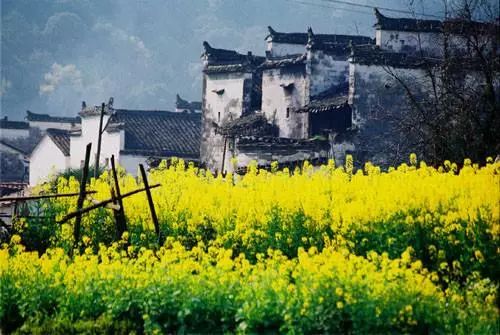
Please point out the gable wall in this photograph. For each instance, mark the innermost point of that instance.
(218, 109)
(276, 99)
(46, 160)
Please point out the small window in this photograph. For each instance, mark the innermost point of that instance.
(402, 42)
(218, 116)
(287, 112)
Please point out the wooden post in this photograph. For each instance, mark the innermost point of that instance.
(121, 224)
(81, 196)
(99, 138)
(223, 156)
(150, 201)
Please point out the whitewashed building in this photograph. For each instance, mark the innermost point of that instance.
(132, 136)
(50, 156)
(285, 107)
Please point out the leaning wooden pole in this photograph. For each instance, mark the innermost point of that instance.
(223, 156)
(99, 139)
(81, 196)
(150, 202)
(121, 224)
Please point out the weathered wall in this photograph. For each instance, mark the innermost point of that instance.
(10, 134)
(45, 160)
(276, 98)
(325, 71)
(404, 41)
(283, 49)
(264, 156)
(378, 102)
(220, 108)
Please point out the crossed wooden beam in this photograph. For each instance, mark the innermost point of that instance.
(115, 203)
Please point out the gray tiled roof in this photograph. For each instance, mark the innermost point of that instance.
(248, 125)
(8, 124)
(335, 98)
(159, 133)
(30, 116)
(224, 61)
(60, 138)
(374, 55)
(284, 61)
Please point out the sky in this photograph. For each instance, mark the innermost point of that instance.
(57, 53)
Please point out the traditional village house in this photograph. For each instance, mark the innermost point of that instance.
(303, 98)
(231, 89)
(405, 49)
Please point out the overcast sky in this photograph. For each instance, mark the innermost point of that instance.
(56, 53)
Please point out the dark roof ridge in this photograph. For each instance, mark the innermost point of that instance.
(406, 24)
(304, 38)
(185, 104)
(40, 117)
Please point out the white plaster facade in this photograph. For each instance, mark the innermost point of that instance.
(284, 91)
(325, 70)
(223, 102)
(46, 160)
(276, 49)
(409, 41)
(111, 143)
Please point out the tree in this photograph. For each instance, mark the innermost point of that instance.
(454, 106)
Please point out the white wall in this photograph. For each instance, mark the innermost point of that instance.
(326, 71)
(46, 160)
(283, 49)
(111, 143)
(43, 126)
(131, 163)
(275, 101)
(10, 134)
(400, 41)
(219, 109)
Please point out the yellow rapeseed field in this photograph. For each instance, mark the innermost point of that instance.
(414, 249)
